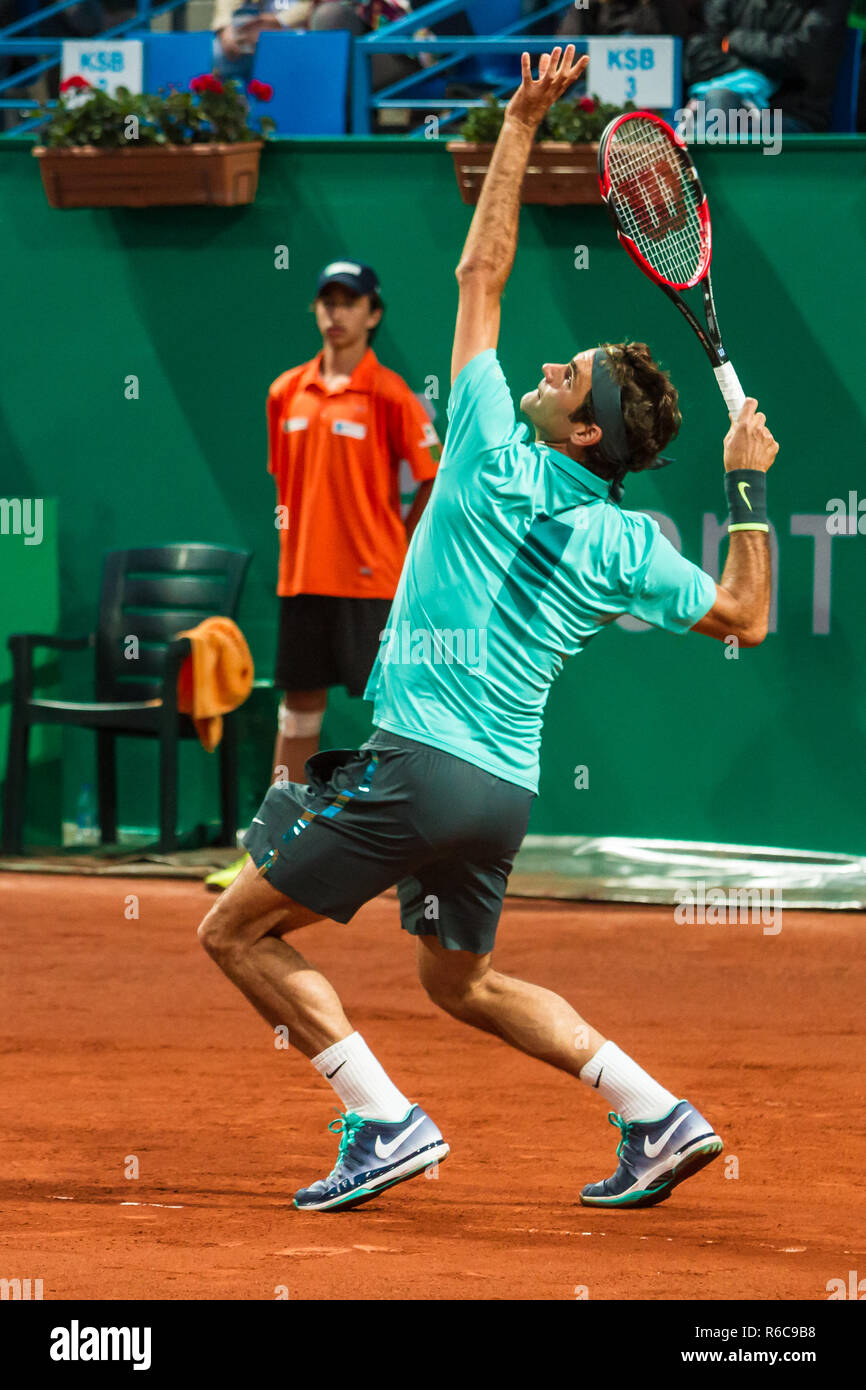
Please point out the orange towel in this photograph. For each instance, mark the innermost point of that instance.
(216, 678)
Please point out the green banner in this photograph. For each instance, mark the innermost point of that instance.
(200, 308)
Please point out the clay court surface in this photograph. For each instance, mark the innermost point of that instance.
(120, 1037)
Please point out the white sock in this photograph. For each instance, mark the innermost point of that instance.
(630, 1089)
(360, 1081)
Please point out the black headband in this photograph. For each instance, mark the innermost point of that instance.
(606, 397)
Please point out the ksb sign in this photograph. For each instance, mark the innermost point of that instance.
(637, 69)
(104, 63)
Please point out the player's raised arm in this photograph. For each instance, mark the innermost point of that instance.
(488, 254)
(742, 606)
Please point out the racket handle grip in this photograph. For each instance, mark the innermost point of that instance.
(729, 385)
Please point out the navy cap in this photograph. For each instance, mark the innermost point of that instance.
(362, 279)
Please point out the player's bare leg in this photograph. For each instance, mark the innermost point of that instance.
(242, 934)
(664, 1140)
(531, 1018)
(385, 1138)
(298, 729)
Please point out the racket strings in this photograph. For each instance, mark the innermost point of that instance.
(656, 201)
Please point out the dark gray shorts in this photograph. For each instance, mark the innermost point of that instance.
(395, 811)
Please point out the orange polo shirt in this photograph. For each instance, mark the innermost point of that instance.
(335, 457)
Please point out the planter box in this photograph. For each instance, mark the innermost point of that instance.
(155, 176)
(558, 173)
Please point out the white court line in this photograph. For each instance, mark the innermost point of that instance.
(168, 1206)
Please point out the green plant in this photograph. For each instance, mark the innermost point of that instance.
(578, 122)
(484, 123)
(212, 112)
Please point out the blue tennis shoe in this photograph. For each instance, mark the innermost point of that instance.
(654, 1156)
(374, 1154)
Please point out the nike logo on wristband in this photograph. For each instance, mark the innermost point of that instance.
(742, 488)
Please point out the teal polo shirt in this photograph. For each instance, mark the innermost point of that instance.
(519, 559)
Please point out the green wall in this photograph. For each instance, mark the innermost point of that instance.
(678, 740)
(29, 583)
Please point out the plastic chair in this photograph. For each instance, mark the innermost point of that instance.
(173, 60)
(309, 73)
(153, 593)
(843, 120)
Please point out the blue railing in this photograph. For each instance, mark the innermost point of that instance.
(398, 38)
(53, 48)
(486, 62)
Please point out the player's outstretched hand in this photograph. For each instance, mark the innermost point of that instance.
(556, 72)
(748, 443)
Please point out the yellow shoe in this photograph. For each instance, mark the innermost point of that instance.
(222, 878)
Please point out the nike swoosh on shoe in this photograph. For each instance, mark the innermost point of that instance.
(653, 1150)
(386, 1150)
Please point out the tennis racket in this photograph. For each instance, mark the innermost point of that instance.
(655, 200)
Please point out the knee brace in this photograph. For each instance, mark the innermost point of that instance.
(299, 723)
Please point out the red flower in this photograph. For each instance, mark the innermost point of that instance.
(263, 90)
(74, 84)
(206, 83)
(586, 104)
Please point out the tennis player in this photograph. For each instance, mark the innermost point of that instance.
(525, 545)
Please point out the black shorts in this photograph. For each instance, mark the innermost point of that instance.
(395, 811)
(326, 641)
